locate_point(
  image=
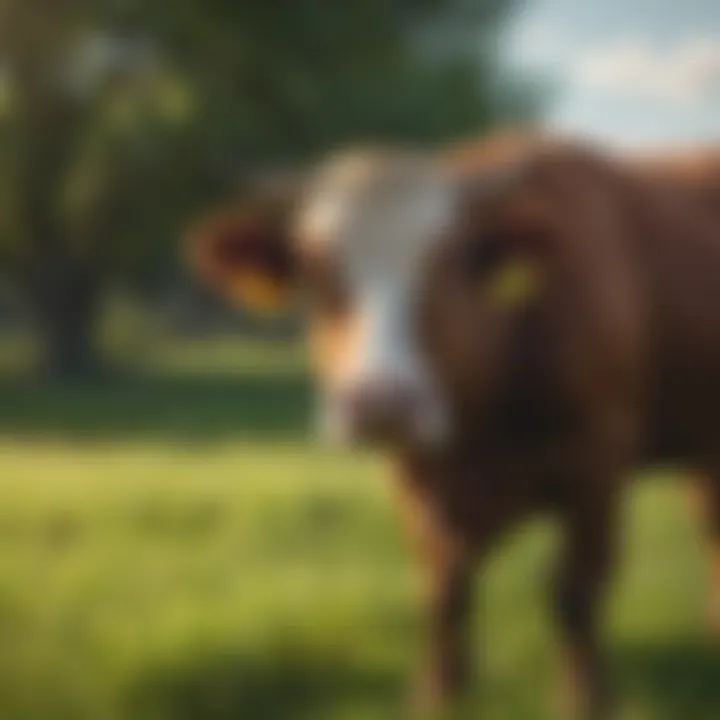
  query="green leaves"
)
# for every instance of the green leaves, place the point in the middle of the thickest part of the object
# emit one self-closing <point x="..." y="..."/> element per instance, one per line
<point x="120" y="119"/>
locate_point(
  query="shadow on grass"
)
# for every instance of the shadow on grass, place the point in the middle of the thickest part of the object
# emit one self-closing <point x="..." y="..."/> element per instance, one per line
<point x="184" y="407"/>
<point x="674" y="680"/>
<point x="283" y="686"/>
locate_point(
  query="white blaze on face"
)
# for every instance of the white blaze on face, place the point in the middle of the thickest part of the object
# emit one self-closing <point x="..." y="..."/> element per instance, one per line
<point x="380" y="214"/>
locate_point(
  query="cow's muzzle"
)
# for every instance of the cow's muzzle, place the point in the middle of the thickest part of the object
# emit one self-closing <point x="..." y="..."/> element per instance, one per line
<point x="384" y="410"/>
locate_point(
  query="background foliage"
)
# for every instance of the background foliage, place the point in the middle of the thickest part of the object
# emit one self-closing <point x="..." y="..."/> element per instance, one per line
<point x="121" y="118"/>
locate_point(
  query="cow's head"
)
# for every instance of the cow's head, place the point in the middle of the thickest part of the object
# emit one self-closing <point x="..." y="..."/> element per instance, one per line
<point x="410" y="271"/>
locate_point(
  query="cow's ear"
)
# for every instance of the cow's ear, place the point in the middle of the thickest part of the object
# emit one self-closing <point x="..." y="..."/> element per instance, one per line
<point x="246" y="255"/>
<point x="524" y="241"/>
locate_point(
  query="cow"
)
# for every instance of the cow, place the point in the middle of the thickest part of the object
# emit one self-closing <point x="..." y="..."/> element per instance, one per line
<point x="521" y="323"/>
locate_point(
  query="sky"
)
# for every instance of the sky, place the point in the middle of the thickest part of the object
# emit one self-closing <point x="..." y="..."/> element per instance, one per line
<point x="631" y="72"/>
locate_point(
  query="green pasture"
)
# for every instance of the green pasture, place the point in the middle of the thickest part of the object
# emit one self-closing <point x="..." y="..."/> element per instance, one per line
<point x="174" y="547"/>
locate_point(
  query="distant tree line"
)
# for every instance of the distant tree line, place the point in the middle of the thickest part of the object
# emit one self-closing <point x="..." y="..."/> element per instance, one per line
<point x="119" y="120"/>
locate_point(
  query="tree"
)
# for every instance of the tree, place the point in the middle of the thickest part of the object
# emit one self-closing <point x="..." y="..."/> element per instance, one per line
<point x="78" y="138"/>
<point x="117" y="118"/>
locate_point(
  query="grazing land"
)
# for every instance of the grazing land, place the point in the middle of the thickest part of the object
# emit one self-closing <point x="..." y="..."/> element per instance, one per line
<point x="175" y="548"/>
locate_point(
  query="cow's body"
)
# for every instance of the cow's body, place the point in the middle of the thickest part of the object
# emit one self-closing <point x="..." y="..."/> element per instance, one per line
<point x="614" y="363"/>
<point x="617" y="368"/>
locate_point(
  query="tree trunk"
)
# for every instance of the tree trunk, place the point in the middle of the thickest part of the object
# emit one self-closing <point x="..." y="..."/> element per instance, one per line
<point x="67" y="301"/>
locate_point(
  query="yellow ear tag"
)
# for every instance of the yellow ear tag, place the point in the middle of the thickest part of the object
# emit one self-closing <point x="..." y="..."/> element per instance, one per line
<point x="259" y="294"/>
<point x="515" y="284"/>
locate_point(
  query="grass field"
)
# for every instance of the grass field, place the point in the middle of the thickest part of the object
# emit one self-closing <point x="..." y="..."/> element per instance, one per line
<point x="175" y="548"/>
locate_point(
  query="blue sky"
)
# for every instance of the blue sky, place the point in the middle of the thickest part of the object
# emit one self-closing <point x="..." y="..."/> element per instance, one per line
<point x="634" y="72"/>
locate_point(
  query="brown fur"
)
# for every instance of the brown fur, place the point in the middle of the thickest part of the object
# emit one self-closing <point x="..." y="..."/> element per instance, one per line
<point x="616" y="364"/>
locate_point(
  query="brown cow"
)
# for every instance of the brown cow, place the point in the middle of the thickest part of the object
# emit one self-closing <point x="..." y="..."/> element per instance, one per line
<point x="522" y="323"/>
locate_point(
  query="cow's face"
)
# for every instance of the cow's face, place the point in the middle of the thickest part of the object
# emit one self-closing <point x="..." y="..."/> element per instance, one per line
<point x="394" y="264"/>
<point x="365" y="230"/>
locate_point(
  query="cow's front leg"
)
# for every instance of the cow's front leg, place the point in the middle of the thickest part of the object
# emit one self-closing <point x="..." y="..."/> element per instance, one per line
<point x="446" y="668"/>
<point x="447" y="566"/>
<point x="588" y="553"/>
<point x="454" y="514"/>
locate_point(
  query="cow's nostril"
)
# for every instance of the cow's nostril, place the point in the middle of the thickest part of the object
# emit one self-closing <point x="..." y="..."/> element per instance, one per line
<point x="379" y="408"/>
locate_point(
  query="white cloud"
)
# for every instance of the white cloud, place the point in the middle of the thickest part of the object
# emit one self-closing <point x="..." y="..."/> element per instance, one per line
<point x="533" y="44"/>
<point x="687" y="74"/>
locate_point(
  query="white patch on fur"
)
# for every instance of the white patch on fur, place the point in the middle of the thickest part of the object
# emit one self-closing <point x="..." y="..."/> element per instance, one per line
<point x="380" y="214"/>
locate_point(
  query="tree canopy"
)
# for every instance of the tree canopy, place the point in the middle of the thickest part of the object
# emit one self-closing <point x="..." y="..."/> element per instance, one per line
<point x="119" y="117"/>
